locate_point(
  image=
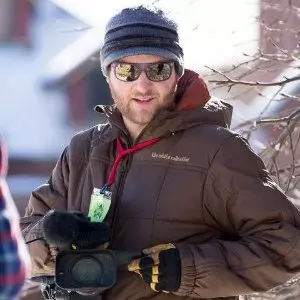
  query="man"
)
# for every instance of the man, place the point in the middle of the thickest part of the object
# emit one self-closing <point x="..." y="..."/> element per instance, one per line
<point x="182" y="187"/>
<point x="14" y="259"/>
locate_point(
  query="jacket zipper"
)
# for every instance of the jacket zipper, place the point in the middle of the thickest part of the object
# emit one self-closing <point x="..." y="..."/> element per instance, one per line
<point x="119" y="190"/>
<point x="116" y="198"/>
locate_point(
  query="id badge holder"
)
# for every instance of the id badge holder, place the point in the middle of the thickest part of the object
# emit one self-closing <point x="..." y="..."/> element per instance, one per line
<point x="100" y="204"/>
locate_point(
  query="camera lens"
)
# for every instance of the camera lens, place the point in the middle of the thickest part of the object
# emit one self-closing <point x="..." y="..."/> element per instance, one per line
<point x="87" y="271"/>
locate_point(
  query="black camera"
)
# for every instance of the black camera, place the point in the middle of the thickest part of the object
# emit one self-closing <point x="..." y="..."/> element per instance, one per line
<point x="85" y="270"/>
<point x="89" y="271"/>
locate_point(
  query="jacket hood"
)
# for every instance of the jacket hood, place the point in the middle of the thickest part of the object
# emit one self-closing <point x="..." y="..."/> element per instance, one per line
<point x="192" y="91"/>
<point x="193" y="106"/>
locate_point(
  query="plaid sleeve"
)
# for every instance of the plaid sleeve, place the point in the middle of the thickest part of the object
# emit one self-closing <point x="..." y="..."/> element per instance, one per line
<point x="13" y="253"/>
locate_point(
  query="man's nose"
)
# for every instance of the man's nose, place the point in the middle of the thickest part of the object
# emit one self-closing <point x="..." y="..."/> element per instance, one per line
<point x="143" y="83"/>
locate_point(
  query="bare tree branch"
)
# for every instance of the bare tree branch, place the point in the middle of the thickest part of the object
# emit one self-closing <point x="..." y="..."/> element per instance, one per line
<point x="273" y="151"/>
<point x="286" y="119"/>
<point x="292" y="172"/>
<point x="293" y="31"/>
<point x="251" y="83"/>
<point x="286" y="169"/>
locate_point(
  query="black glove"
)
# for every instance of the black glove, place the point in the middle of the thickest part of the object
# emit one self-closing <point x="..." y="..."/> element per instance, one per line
<point x="160" y="267"/>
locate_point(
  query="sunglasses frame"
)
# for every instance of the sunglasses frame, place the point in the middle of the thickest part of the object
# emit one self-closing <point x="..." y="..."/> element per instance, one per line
<point x="142" y="67"/>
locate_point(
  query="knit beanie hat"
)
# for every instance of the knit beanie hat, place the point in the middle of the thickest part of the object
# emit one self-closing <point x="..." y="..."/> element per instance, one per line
<point x="141" y="30"/>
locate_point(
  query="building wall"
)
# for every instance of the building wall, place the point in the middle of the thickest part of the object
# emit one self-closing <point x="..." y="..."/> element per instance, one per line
<point x="271" y="13"/>
<point x="6" y="12"/>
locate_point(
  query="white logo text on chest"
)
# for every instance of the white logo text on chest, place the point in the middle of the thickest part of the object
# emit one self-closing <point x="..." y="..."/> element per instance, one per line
<point x="169" y="157"/>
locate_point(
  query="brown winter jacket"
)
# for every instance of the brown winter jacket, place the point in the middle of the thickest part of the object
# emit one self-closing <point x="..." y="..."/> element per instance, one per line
<point x="200" y="187"/>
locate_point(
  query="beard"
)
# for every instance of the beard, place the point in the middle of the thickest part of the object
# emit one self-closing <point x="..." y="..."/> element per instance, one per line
<point x="137" y="114"/>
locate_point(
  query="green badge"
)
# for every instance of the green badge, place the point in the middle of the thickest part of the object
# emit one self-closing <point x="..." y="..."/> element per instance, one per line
<point x="99" y="205"/>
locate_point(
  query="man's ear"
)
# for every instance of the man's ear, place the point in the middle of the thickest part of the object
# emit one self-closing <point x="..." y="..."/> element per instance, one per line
<point x="107" y="75"/>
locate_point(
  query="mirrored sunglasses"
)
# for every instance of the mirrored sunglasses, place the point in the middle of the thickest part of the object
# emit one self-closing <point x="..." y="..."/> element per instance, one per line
<point x="128" y="72"/>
